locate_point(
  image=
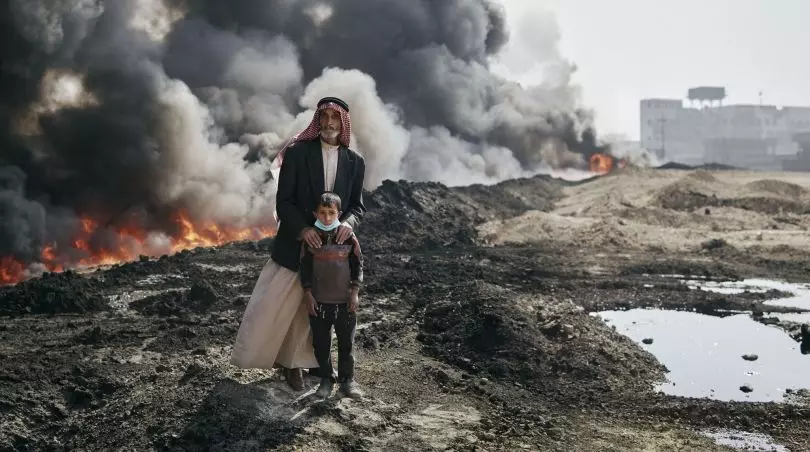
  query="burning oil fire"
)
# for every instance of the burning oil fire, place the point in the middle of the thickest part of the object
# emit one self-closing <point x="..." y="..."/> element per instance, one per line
<point x="604" y="163"/>
<point x="127" y="244"/>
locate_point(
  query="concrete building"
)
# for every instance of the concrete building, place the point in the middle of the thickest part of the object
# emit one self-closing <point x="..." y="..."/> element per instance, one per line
<point x="802" y="160"/>
<point x="700" y="129"/>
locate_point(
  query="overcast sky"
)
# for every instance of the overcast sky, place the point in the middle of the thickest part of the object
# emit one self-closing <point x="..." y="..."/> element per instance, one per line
<point x="626" y="50"/>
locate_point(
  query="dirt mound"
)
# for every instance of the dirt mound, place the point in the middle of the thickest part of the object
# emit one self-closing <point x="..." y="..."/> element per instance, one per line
<point x="428" y="215"/>
<point x="203" y="296"/>
<point x="777" y="187"/>
<point x="690" y="192"/>
<point x="512" y="197"/>
<point x="705" y="166"/>
<point x="697" y="191"/>
<point x="487" y="329"/>
<point x="606" y="232"/>
<point x="689" y="200"/>
<point x="53" y="293"/>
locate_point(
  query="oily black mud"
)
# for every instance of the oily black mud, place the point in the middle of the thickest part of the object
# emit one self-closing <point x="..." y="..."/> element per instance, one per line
<point x="53" y="293"/>
<point x="505" y="330"/>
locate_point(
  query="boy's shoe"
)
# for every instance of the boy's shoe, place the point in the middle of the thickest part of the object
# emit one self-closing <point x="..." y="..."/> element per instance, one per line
<point x="295" y="378"/>
<point x="350" y="389"/>
<point x="325" y="388"/>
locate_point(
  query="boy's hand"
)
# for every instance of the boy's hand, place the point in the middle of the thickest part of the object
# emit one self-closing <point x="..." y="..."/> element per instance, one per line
<point x="354" y="300"/>
<point x="311" y="303"/>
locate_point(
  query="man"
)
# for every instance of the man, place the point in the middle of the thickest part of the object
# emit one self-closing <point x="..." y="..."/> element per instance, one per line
<point x="275" y="326"/>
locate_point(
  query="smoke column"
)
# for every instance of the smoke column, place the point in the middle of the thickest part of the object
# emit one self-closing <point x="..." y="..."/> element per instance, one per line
<point x="128" y="111"/>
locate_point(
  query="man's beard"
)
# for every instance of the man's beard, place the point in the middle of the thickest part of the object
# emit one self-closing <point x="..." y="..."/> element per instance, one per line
<point x="329" y="134"/>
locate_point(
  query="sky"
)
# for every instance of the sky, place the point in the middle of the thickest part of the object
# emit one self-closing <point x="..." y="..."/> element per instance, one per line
<point x="627" y="50"/>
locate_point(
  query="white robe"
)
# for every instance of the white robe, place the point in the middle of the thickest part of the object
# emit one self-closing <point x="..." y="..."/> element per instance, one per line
<point x="275" y="325"/>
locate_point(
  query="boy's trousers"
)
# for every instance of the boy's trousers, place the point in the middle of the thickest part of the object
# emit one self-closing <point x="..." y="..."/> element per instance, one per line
<point x="345" y="323"/>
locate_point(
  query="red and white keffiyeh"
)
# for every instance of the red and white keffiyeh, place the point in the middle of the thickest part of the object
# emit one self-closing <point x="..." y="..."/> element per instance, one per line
<point x="313" y="130"/>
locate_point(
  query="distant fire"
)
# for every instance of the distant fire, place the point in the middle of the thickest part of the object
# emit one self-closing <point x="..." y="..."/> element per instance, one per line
<point x="604" y="163"/>
<point x="124" y="244"/>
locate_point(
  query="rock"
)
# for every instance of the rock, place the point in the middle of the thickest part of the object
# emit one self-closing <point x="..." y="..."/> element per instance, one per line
<point x="568" y="329"/>
<point x="647" y="341"/>
<point x="746" y="389"/>
<point x="487" y="436"/>
<point x="707" y="211"/>
<point x="750" y="357"/>
<point x="714" y="244"/>
<point x="202" y="291"/>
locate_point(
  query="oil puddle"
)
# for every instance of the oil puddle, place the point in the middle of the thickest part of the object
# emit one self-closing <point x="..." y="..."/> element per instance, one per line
<point x="704" y="354"/>
<point x="744" y="440"/>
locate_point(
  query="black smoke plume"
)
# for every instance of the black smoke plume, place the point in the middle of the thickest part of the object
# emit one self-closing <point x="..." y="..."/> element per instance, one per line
<point x="129" y="111"/>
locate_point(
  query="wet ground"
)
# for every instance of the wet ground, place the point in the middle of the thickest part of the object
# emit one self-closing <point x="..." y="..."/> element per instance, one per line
<point x="461" y="346"/>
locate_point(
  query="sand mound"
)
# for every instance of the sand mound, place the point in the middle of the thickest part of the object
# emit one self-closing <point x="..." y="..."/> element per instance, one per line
<point x="701" y="175"/>
<point x="609" y="202"/>
<point x="537" y="227"/>
<point x="777" y="187"/>
<point x="672" y="210"/>
<point x="693" y="190"/>
<point x="605" y="232"/>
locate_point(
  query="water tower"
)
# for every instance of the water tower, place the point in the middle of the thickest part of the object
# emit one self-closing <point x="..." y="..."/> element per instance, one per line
<point x="707" y="94"/>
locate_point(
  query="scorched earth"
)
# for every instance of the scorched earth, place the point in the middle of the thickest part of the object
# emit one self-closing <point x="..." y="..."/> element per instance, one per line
<point x="482" y="327"/>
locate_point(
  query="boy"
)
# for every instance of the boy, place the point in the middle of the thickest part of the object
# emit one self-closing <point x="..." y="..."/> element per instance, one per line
<point x="331" y="276"/>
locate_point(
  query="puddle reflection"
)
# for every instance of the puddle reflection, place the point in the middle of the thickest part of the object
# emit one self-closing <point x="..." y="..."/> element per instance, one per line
<point x="704" y="354"/>
<point x="744" y="440"/>
<point x="800" y="298"/>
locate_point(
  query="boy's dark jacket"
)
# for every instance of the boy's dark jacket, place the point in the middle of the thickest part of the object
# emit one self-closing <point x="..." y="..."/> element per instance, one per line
<point x="331" y="270"/>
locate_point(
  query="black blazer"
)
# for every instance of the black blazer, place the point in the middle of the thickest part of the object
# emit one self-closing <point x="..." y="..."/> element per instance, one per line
<point x="300" y="184"/>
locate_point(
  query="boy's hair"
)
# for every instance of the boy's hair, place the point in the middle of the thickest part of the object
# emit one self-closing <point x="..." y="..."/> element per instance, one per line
<point x="328" y="199"/>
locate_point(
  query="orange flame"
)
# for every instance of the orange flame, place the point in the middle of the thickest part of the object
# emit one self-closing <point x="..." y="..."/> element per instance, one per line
<point x="601" y="163"/>
<point x="130" y="242"/>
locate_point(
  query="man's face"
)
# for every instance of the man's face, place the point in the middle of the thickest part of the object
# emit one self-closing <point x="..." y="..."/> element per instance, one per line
<point x="330" y="123"/>
<point x="327" y="214"/>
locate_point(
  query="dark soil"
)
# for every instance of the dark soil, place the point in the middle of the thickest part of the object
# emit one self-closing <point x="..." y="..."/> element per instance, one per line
<point x="53" y="293"/>
<point x="445" y="322"/>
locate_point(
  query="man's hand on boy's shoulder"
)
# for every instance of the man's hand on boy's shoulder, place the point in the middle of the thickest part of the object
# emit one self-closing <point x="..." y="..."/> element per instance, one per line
<point x="344" y="232"/>
<point x="311" y="237"/>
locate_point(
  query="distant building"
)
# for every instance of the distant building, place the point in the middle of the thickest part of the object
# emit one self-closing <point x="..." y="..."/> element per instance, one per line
<point x="802" y="160"/>
<point x="706" y="131"/>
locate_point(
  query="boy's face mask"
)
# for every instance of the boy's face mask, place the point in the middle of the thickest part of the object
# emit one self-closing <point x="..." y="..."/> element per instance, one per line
<point x="327" y="227"/>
